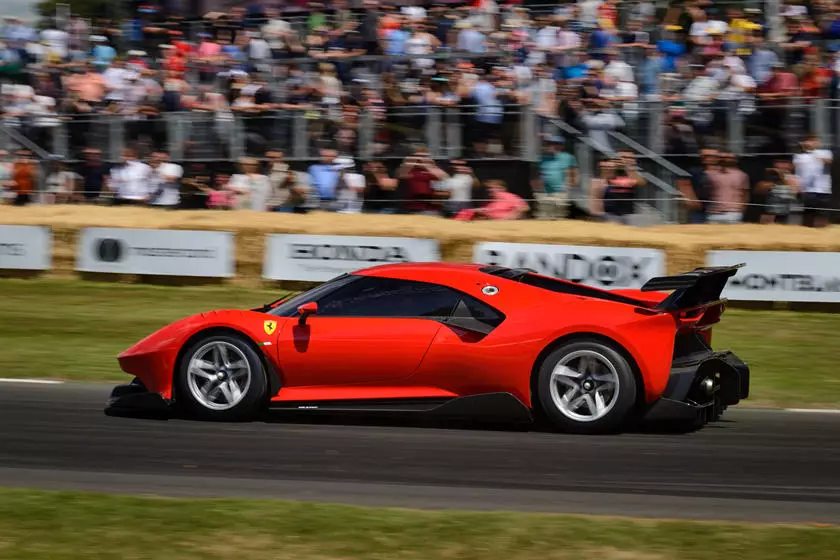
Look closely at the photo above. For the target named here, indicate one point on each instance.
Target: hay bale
(684, 245)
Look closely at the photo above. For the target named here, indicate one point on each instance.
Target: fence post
(584, 157)
(530, 134)
(366, 136)
(735, 131)
(819, 122)
(237, 139)
(454, 134)
(433, 132)
(300, 147)
(655, 137)
(61, 145)
(116, 136)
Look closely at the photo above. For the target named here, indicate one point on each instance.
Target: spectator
(165, 182)
(558, 174)
(614, 192)
(61, 184)
(460, 185)
(251, 188)
(325, 176)
(814, 175)
(780, 187)
(93, 173)
(129, 181)
(24, 178)
(729, 190)
(380, 189)
(289, 188)
(503, 205)
(419, 172)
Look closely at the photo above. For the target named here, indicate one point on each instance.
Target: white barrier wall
(781, 275)
(25, 248)
(601, 267)
(156, 252)
(788, 276)
(319, 258)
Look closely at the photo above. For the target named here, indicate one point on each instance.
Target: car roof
(464, 276)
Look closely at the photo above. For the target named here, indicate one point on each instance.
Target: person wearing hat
(558, 174)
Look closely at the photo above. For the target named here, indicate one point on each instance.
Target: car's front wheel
(586, 386)
(221, 378)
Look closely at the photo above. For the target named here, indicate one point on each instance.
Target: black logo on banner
(604, 270)
(109, 250)
(786, 282)
(366, 253)
(12, 249)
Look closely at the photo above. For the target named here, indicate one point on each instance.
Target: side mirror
(306, 310)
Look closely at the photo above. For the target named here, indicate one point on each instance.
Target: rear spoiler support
(698, 288)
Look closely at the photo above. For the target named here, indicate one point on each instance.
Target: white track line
(815, 410)
(33, 381)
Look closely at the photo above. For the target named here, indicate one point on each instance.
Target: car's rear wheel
(586, 386)
(221, 378)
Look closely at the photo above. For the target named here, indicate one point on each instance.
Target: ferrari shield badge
(270, 327)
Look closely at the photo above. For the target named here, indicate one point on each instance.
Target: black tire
(622, 404)
(252, 399)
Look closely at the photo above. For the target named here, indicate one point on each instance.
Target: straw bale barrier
(684, 245)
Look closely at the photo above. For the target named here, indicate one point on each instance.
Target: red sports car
(454, 339)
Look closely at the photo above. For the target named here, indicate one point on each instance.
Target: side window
(388, 297)
(482, 312)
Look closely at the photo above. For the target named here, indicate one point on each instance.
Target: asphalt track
(756, 466)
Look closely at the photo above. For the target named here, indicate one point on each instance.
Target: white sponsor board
(156, 252)
(318, 258)
(25, 248)
(600, 267)
(780, 275)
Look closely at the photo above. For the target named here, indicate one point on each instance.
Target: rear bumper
(689, 396)
(135, 399)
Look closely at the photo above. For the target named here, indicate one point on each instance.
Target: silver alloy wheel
(584, 385)
(219, 375)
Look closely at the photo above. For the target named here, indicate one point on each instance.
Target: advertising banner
(318, 258)
(600, 267)
(781, 275)
(156, 252)
(25, 248)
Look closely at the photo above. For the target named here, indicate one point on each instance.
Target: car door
(369, 330)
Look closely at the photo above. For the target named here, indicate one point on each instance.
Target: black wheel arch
(273, 378)
(591, 336)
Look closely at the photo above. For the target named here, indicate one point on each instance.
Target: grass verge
(38, 524)
(69, 329)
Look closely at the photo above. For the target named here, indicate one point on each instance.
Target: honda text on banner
(781, 275)
(156, 252)
(601, 267)
(25, 248)
(318, 258)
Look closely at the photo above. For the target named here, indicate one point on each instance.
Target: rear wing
(692, 290)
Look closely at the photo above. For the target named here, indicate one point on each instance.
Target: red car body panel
(337, 358)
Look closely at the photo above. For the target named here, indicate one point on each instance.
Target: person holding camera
(419, 172)
(780, 187)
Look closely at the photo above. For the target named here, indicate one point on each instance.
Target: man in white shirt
(130, 180)
(166, 181)
(813, 170)
(617, 69)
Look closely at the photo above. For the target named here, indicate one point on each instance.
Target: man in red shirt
(420, 172)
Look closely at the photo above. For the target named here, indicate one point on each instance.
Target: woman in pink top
(503, 206)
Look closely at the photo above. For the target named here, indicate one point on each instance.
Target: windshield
(289, 307)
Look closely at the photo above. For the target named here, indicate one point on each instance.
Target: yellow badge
(270, 327)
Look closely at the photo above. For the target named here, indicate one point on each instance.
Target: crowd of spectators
(597, 65)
